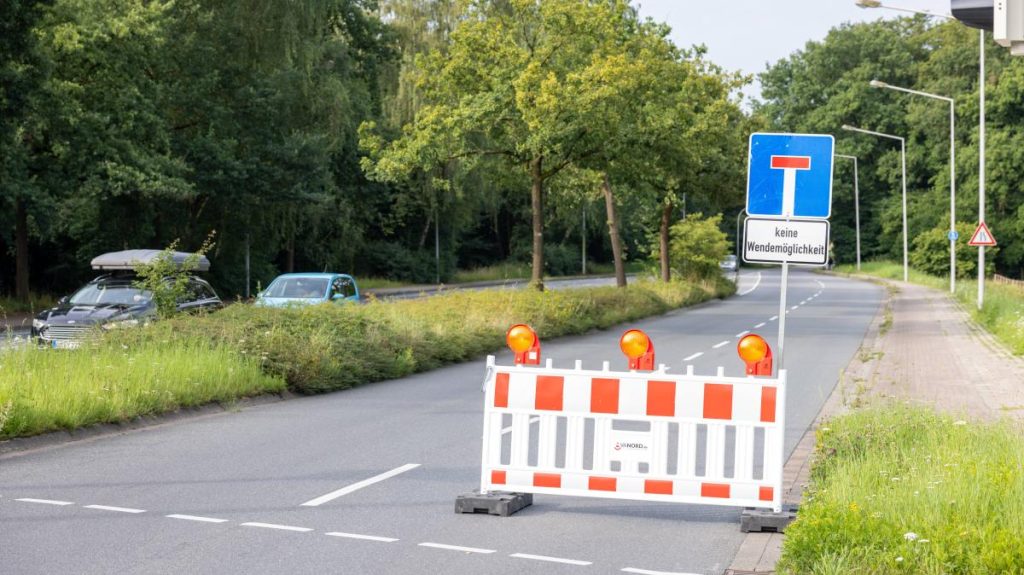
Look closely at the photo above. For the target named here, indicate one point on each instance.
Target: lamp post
(952, 171)
(856, 202)
(903, 156)
(981, 129)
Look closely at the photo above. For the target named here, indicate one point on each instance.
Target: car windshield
(111, 293)
(297, 288)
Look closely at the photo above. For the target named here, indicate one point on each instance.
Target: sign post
(789, 201)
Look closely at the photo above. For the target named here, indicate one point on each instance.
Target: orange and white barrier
(634, 435)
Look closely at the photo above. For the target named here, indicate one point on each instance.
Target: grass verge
(45, 390)
(1003, 311)
(899, 489)
(244, 350)
(330, 347)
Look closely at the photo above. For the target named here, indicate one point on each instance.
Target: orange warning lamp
(638, 348)
(754, 352)
(524, 343)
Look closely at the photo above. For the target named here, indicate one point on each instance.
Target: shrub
(930, 252)
(696, 246)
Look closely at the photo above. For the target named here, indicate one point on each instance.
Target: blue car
(308, 289)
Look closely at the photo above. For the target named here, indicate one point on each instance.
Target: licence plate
(65, 344)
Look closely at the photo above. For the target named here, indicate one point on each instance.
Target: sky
(746, 35)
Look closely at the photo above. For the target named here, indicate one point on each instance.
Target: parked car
(112, 300)
(309, 289)
(729, 264)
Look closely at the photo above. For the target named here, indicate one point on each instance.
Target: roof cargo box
(130, 259)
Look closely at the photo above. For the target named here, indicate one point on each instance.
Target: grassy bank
(1003, 311)
(331, 347)
(245, 350)
(897, 489)
(45, 390)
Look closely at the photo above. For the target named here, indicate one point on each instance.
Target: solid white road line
(357, 486)
(720, 344)
(760, 325)
(550, 559)
(773, 318)
(509, 428)
(694, 356)
(648, 572)
(742, 333)
(364, 537)
(45, 501)
(197, 518)
(276, 526)
(456, 548)
(756, 283)
(118, 509)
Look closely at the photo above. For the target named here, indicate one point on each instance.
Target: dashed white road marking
(196, 518)
(773, 318)
(117, 509)
(794, 307)
(359, 485)
(756, 283)
(363, 537)
(45, 501)
(648, 572)
(509, 428)
(760, 325)
(803, 302)
(720, 344)
(821, 285)
(278, 527)
(550, 559)
(742, 333)
(456, 548)
(694, 356)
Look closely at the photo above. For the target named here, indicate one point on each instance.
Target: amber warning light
(638, 348)
(524, 343)
(754, 352)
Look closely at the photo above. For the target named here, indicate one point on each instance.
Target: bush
(930, 253)
(393, 261)
(696, 246)
(561, 260)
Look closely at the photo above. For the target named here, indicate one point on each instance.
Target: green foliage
(899, 489)
(696, 246)
(930, 252)
(168, 280)
(825, 85)
(47, 390)
(330, 347)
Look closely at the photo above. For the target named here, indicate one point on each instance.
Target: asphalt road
(224, 493)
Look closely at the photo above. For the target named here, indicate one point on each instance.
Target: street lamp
(981, 130)
(952, 171)
(856, 202)
(903, 155)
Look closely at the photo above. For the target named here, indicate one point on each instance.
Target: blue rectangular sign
(790, 175)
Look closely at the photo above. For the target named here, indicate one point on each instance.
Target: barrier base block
(503, 503)
(766, 521)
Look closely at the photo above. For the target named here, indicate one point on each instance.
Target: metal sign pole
(782, 317)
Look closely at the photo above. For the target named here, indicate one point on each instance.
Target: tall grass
(44, 390)
(899, 489)
(35, 303)
(1002, 313)
(329, 347)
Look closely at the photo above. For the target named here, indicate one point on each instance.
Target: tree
(697, 245)
(530, 82)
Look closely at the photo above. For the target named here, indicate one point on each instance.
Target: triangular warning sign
(982, 237)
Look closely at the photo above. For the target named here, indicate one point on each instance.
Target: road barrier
(643, 435)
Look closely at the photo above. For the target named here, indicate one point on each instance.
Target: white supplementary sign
(794, 241)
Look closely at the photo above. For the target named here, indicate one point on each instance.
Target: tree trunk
(21, 289)
(666, 221)
(613, 232)
(289, 264)
(537, 205)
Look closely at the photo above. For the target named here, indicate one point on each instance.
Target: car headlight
(37, 324)
(120, 324)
